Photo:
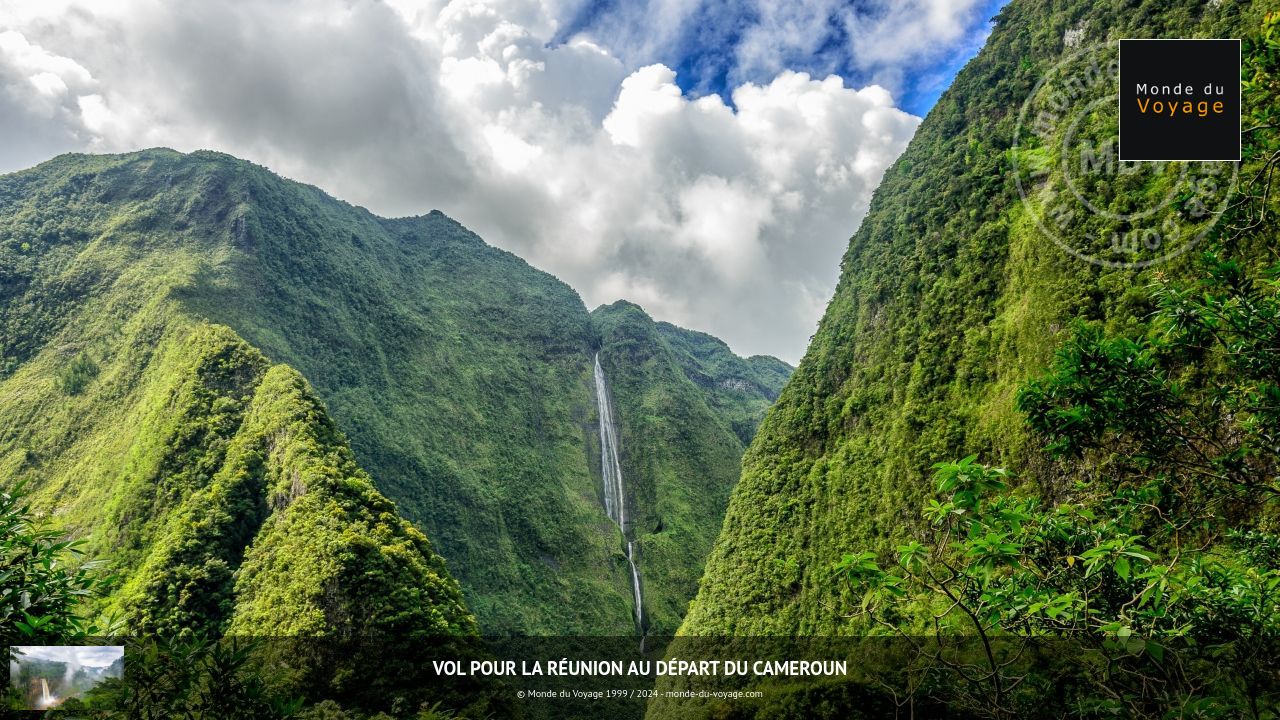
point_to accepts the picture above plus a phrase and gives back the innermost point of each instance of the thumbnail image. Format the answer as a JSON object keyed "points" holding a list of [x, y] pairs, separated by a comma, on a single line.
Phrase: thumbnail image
{"points": [[46, 675]]}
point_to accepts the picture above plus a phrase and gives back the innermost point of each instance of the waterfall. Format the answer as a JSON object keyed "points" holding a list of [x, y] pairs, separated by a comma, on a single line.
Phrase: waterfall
{"points": [[615, 497], [45, 698]]}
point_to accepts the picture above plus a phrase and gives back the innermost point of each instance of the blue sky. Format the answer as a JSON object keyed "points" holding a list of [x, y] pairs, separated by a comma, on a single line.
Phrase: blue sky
{"points": [[704, 49]]}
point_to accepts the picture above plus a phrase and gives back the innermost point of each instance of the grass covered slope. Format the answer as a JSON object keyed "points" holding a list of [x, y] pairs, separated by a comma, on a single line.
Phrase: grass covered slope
{"points": [[461, 376], [738, 389], [182, 462], [680, 397], [334, 552], [949, 299]]}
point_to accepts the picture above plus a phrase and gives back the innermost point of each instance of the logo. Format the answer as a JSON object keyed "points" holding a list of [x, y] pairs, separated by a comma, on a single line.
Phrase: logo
{"points": [[1079, 192], [1180, 100]]}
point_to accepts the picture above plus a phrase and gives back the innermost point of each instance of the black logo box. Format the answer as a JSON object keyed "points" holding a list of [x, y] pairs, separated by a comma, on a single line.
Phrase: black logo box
{"points": [[1187, 67]]}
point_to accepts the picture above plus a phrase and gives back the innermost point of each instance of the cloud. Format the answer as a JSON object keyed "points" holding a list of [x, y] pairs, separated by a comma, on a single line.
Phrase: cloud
{"points": [[90, 655], [39, 101], [727, 215], [903, 36], [872, 35], [723, 220], [719, 43]]}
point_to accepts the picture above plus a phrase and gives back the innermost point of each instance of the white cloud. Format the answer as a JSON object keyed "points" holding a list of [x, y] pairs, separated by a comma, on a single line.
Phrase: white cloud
{"points": [[73, 655], [906, 34], [39, 100], [899, 30], [726, 219], [879, 34]]}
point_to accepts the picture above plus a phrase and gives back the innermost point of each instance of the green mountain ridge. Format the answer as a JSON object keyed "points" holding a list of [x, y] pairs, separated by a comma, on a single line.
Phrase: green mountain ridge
{"points": [[141, 296], [949, 299], [674, 389]]}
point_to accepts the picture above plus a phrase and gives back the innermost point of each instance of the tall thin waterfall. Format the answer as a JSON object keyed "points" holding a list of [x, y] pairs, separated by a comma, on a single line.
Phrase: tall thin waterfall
{"points": [[615, 496]]}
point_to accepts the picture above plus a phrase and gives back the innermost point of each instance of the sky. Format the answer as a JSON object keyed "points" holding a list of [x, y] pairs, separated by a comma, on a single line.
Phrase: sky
{"points": [[89, 655], [707, 159]]}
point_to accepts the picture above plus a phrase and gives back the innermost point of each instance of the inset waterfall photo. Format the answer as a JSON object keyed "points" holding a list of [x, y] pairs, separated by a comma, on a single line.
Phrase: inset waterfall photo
{"points": [[46, 676]]}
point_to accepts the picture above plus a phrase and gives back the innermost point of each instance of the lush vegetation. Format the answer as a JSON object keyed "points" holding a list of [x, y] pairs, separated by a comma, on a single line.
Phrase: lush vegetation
{"points": [[141, 296], [738, 389], [1157, 563], [45, 580], [950, 299], [288, 538], [220, 490], [230, 455], [683, 403], [1129, 567]]}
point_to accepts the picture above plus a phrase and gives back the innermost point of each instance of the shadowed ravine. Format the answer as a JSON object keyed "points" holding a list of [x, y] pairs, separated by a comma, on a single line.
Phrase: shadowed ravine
{"points": [[615, 497]]}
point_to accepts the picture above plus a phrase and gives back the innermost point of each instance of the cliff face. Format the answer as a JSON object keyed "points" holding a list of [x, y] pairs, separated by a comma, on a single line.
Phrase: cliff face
{"points": [[950, 297]]}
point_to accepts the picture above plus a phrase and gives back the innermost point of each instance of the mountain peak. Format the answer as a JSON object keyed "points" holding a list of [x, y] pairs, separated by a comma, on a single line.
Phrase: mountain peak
{"points": [[453, 376]]}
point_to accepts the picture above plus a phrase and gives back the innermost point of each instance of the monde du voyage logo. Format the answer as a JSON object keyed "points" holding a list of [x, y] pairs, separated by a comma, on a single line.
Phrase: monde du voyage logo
{"points": [[1180, 100], [1126, 153]]}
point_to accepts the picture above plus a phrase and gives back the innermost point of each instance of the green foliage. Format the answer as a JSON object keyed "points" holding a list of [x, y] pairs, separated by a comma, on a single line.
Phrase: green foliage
{"points": [[1260, 145], [333, 555], [738, 389], [1156, 562], [949, 298], [1165, 610], [189, 678], [287, 536], [262, 525], [43, 579], [77, 374], [460, 376], [460, 373], [1213, 438], [682, 399]]}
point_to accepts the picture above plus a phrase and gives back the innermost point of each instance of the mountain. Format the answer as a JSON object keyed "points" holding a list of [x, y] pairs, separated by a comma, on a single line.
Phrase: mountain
{"points": [[738, 389], [950, 298], [223, 379], [684, 404]]}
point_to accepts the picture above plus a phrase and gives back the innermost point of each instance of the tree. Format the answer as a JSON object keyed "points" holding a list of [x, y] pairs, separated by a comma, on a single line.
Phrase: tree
{"points": [[1153, 565], [43, 579], [1145, 621], [1143, 578]]}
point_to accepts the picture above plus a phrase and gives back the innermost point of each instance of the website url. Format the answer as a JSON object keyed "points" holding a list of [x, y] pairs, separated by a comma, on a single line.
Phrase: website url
{"points": [[713, 694]]}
